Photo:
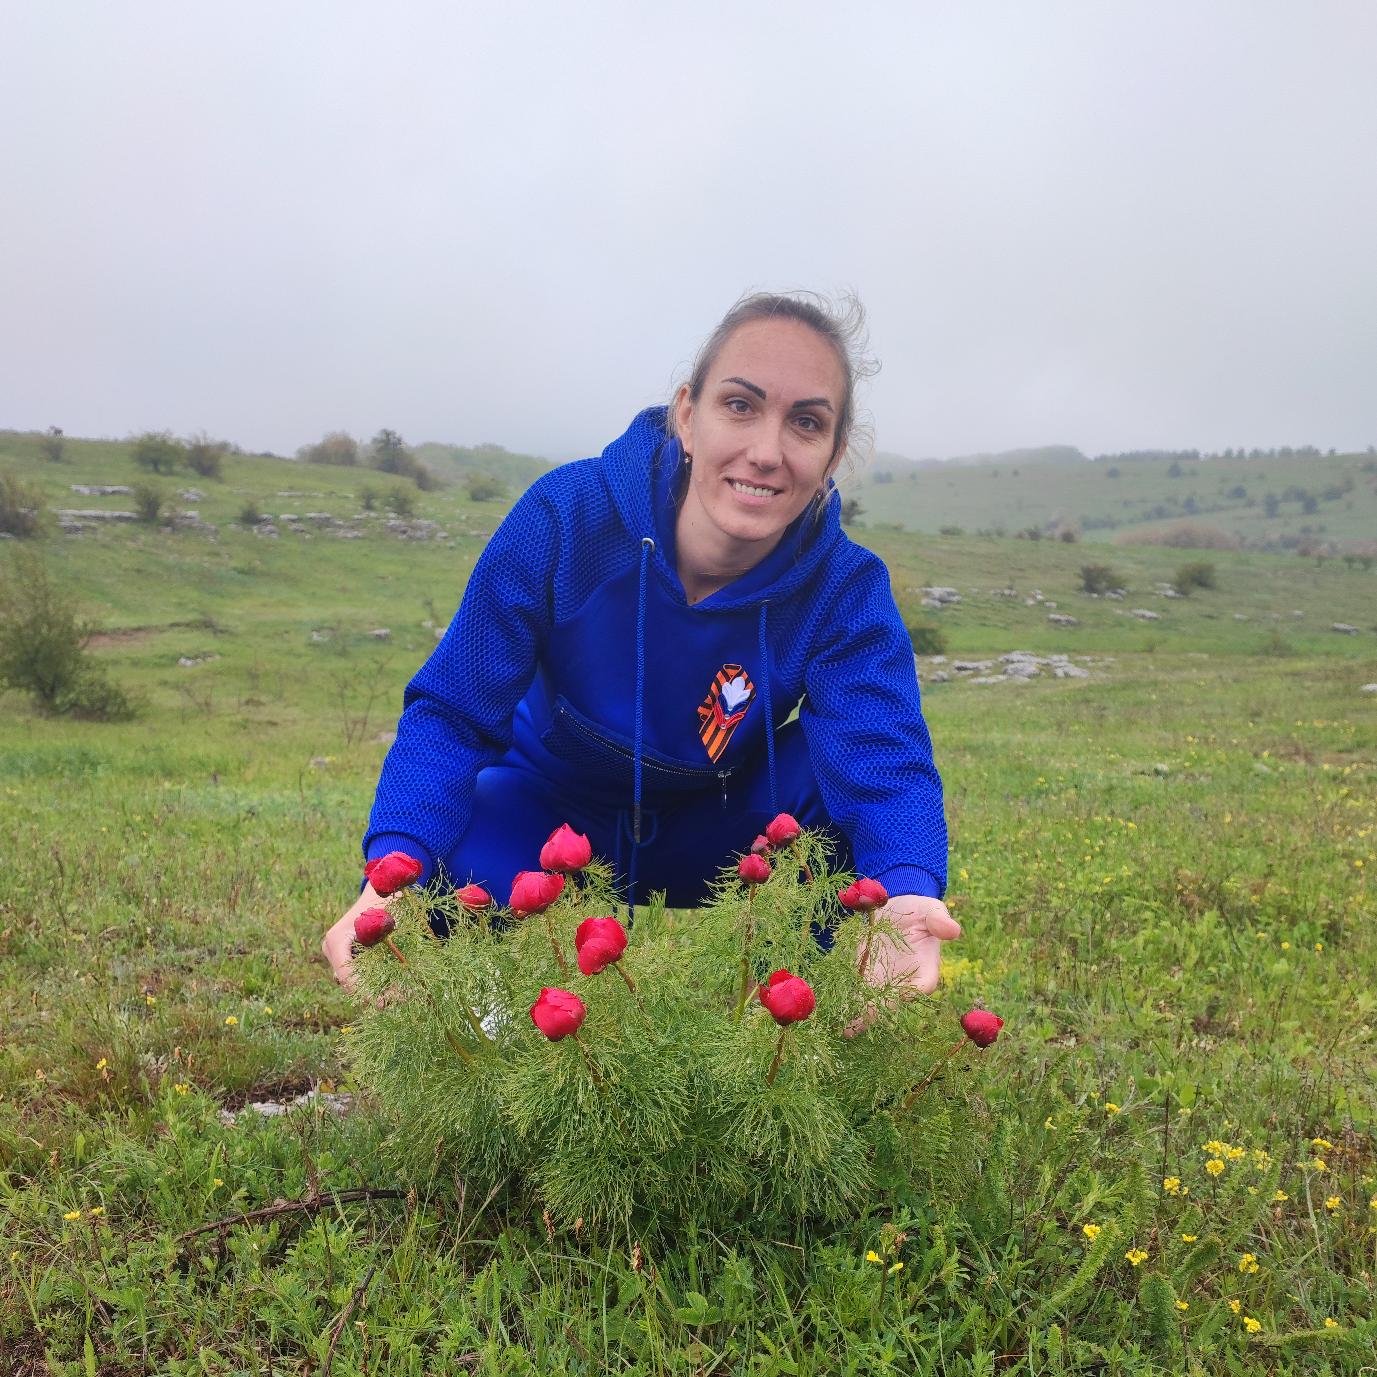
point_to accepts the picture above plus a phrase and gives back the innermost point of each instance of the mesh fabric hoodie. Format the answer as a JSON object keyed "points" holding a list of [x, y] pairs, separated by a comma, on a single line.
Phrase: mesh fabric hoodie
{"points": [[575, 652]]}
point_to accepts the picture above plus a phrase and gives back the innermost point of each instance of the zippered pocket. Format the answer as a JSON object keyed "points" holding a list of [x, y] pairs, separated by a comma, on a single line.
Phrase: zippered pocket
{"points": [[610, 756]]}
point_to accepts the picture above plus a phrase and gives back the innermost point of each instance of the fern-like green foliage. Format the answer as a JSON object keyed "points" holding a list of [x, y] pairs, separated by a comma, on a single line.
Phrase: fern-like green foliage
{"points": [[661, 1109]]}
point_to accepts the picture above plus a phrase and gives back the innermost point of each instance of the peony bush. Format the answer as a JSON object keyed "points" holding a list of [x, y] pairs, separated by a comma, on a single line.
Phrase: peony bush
{"points": [[676, 1068]]}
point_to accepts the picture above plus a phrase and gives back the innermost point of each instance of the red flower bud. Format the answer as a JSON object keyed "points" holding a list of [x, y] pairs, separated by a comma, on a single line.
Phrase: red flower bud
{"points": [[597, 955], [753, 869], [863, 895], [372, 925], [473, 897], [789, 998], [533, 891], [981, 1026], [392, 872], [607, 930], [782, 830], [565, 850], [761, 845], [557, 1013]]}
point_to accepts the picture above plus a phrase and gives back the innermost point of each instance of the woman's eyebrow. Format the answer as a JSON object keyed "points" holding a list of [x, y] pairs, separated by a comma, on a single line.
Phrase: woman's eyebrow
{"points": [[760, 392]]}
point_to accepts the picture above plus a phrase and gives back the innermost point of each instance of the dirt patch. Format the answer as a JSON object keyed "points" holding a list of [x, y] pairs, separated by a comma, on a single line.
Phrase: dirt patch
{"points": [[125, 636]]}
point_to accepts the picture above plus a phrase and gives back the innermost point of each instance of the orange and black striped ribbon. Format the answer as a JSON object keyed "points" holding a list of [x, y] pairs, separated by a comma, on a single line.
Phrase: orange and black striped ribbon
{"points": [[715, 723]]}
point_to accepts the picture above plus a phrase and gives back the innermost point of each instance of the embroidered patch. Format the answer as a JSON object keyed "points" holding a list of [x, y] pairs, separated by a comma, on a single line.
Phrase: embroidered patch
{"points": [[720, 713]]}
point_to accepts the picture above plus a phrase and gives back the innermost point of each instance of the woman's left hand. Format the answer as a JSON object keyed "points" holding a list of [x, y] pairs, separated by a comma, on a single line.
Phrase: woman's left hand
{"points": [[924, 924]]}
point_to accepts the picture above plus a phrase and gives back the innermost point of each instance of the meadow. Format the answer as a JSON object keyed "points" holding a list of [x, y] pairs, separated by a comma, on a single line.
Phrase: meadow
{"points": [[1163, 870]]}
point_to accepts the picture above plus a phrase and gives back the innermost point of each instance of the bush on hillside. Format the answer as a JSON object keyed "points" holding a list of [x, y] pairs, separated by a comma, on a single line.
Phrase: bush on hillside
{"points": [[52, 444], [483, 487], [21, 507], [368, 497], [401, 503], [1183, 535], [1200, 574], [927, 638], [250, 514], [1098, 578], [206, 456], [388, 453], [149, 502], [337, 447], [43, 647], [159, 451]]}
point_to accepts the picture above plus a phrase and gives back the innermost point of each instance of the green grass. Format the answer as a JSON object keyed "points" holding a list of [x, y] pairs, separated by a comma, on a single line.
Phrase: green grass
{"points": [[1164, 873]]}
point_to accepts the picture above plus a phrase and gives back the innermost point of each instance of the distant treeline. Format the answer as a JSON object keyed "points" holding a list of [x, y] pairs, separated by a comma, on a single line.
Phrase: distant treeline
{"points": [[1132, 456]]}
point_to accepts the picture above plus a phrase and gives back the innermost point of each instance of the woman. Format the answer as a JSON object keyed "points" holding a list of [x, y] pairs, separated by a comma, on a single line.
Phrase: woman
{"points": [[637, 634]]}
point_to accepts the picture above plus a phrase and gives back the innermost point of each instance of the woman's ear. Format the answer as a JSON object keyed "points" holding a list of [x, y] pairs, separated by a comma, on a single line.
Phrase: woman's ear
{"points": [[683, 418]]}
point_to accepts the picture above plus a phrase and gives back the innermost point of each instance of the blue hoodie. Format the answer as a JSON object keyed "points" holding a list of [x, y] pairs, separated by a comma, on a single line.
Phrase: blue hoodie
{"points": [[575, 648]]}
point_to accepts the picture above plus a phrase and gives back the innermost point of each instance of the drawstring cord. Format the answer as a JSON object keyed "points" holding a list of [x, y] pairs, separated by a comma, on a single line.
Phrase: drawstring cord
{"points": [[647, 549], [769, 711]]}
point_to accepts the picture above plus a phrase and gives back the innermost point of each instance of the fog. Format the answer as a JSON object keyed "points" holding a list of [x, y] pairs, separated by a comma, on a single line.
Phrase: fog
{"points": [[1107, 225]]}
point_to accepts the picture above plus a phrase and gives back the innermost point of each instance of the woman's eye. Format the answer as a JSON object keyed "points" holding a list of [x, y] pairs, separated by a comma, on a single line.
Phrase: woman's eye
{"points": [[739, 405], [809, 422]]}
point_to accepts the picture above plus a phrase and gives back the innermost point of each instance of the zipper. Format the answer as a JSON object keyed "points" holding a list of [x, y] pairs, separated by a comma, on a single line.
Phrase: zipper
{"points": [[687, 772]]}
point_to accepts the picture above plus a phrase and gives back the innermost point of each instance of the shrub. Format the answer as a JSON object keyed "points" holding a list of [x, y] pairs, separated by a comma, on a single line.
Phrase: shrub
{"points": [[158, 451], [951, 530], [1098, 578], [368, 497], [149, 502], [927, 638], [1200, 574], [851, 510], [206, 456], [483, 487], [337, 447], [249, 514], [1068, 535], [52, 444], [21, 507], [43, 647], [401, 503], [1183, 535], [1276, 645]]}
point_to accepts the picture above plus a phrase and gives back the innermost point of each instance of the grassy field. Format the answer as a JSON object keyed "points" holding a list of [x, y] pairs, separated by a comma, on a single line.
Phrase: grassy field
{"points": [[1164, 872], [1131, 499]]}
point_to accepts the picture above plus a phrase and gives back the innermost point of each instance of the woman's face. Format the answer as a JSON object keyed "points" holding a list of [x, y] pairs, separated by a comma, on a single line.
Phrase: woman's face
{"points": [[762, 434]]}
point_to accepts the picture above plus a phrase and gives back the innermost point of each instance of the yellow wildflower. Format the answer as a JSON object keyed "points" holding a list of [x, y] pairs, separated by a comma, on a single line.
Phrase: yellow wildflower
{"points": [[267, 1008], [1280, 1196], [1215, 1148], [1248, 1263], [72, 1214], [96, 1211], [1183, 1305], [1091, 1231], [1189, 1238], [1214, 1166], [1235, 1153], [1319, 1164], [1047, 1122], [1251, 1325], [965, 874], [218, 1182], [102, 1064], [181, 1087], [1235, 1306], [1333, 1203], [898, 1267], [1110, 1107], [873, 1256], [1321, 1145], [1330, 1322], [1135, 1256], [1172, 1185], [231, 1021], [1285, 946], [1319, 946], [150, 1000]]}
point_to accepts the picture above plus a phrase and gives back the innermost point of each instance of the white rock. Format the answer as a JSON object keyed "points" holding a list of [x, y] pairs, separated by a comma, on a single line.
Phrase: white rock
{"points": [[381, 633], [1070, 672], [1146, 614], [971, 666], [1344, 629], [1061, 619], [1368, 688], [1021, 669]]}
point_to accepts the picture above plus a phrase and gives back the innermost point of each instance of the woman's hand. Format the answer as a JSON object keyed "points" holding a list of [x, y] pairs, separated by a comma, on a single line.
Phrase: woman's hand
{"points": [[916, 956], [924, 924], [338, 942]]}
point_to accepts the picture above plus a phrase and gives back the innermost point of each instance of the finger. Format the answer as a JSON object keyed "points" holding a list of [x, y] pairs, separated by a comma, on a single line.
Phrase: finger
{"points": [[927, 969], [944, 926]]}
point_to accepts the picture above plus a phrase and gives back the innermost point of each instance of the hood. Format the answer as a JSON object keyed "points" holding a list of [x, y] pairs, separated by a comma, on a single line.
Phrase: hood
{"points": [[642, 467]]}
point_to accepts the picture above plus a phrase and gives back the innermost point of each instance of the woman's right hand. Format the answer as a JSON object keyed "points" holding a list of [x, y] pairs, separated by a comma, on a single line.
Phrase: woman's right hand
{"points": [[338, 942]]}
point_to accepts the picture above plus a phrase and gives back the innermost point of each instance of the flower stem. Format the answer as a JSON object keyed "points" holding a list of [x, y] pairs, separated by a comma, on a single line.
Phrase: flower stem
{"points": [[869, 936], [554, 942], [927, 1080], [476, 1024], [746, 955], [779, 1054], [464, 1054], [592, 1070], [631, 985], [392, 946]]}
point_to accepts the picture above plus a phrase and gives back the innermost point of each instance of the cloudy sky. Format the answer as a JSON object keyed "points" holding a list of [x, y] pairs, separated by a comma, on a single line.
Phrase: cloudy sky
{"points": [[1104, 224]]}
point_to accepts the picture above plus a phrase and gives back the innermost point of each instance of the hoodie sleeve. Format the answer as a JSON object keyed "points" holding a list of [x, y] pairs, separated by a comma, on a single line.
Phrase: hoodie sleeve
{"points": [[868, 743], [457, 711]]}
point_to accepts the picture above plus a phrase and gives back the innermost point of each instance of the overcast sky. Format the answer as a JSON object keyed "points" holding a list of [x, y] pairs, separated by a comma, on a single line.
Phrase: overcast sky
{"points": [[1111, 225]]}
